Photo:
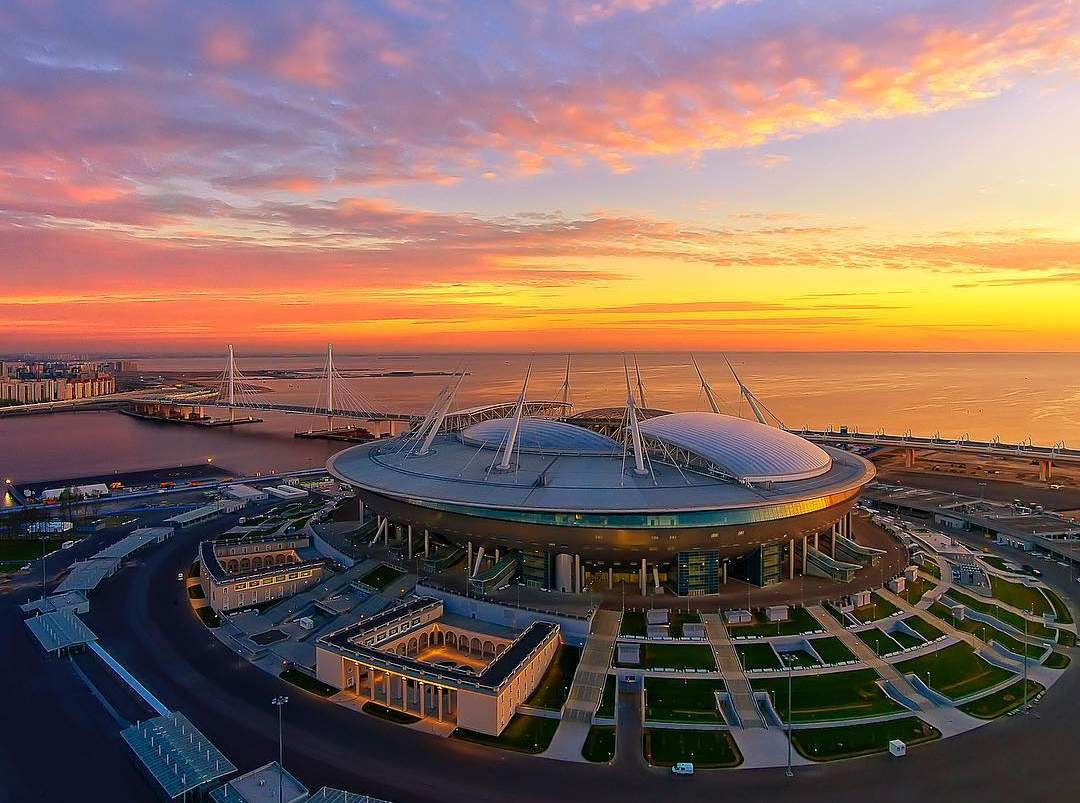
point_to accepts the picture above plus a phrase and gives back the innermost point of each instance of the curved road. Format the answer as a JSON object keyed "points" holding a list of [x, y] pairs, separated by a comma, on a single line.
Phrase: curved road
{"points": [[144, 620]]}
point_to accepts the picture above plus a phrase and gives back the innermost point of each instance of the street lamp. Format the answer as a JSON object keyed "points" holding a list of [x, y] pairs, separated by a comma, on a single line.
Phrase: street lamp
{"points": [[279, 702]]}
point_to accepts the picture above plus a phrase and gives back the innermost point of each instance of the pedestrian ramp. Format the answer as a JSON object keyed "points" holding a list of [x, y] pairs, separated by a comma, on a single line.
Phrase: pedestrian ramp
{"points": [[740, 695]]}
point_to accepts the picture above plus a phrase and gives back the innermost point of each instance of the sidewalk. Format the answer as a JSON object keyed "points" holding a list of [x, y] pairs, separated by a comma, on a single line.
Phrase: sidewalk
{"points": [[586, 689]]}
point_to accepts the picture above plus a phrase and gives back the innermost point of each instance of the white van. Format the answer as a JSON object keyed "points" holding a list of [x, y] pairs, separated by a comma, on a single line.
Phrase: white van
{"points": [[683, 768]]}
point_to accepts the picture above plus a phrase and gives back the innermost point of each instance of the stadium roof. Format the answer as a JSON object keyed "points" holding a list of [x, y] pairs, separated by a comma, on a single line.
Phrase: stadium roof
{"points": [[541, 435], [743, 449]]}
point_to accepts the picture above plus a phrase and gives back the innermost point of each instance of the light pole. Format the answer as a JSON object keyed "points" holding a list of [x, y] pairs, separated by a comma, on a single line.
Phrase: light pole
{"points": [[787, 660], [280, 701], [1025, 663]]}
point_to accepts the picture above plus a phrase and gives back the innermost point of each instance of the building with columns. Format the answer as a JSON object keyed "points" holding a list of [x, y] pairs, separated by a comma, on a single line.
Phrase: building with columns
{"points": [[243, 572], [418, 659]]}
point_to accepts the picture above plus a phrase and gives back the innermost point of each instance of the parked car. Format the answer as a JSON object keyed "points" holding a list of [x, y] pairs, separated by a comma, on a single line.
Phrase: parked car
{"points": [[683, 768]]}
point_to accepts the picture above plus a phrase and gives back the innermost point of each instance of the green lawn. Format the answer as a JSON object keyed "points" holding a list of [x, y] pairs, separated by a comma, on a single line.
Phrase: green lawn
{"points": [[1003, 701], [607, 699], [389, 714], [1003, 615], [679, 618], [599, 744], [308, 683], [830, 744], [675, 700], [879, 641], [524, 734], [757, 656], [633, 624], [879, 608], [904, 640], [923, 627], [381, 576], [1060, 608], [209, 618], [819, 698], [26, 549], [663, 748], [913, 592], [195, 569], [988, 633], [555, 685], [955, 671], [1020, 596], [798, 658], [196, 592], [1056, 660], [800, 621], [931, 568], [676, 656], [832, 650], [1066, 638]]}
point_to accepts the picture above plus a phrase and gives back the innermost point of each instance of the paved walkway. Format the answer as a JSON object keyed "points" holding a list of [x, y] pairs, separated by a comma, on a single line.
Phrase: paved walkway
{"points": [[735, 682], [588, 686], [865, 654]]}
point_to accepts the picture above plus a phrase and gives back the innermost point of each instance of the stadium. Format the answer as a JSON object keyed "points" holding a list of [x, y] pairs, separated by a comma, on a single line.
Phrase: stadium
{"points": [[565, 502]]}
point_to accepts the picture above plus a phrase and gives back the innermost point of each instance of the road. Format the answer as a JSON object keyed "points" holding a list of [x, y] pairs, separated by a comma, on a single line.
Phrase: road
{"points": [[143, 618]]}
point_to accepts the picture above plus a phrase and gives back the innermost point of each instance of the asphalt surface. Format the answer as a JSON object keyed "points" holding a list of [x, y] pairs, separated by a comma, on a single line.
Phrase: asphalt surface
{"points": [[64, 743]]}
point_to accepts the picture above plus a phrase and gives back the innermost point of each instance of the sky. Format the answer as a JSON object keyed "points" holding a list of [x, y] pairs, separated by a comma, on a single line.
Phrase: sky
{"points": [[446, 175]]}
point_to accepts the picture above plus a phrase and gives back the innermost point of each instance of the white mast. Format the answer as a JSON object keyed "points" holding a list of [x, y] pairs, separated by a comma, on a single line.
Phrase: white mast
{"points": [[566, 385], [511, 439], [640, 387], [441, 416], [635, 432], [231, 370], [750, 398], [330, 386], [713, 404]]}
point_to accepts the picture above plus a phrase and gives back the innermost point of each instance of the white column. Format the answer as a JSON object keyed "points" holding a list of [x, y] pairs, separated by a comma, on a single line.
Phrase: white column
{"points": [[791, 559], [468, 560], [642, 577], [427, 543], [577, 574], [804, 547], [410, 542], [610, 577], [439, 694]]}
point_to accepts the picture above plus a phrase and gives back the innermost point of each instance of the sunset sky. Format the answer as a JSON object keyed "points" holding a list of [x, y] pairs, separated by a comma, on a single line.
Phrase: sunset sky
{"points": [[529, 175]]}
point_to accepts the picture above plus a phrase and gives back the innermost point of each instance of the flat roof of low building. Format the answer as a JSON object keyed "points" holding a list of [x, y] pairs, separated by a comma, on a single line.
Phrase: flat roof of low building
{"points": [[330, 795], [270, 783], [212, 509], [85, 575], [59, 629], [176, 754], [242, 491], [55, 602]]}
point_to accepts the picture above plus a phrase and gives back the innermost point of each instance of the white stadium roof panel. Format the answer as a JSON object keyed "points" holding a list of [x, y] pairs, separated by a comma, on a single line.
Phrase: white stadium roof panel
{"points": [[745, 449], [541, 435]]}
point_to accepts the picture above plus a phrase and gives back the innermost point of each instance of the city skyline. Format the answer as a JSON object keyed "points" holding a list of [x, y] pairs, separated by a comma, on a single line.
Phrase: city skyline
{"points": [[409, 176]]}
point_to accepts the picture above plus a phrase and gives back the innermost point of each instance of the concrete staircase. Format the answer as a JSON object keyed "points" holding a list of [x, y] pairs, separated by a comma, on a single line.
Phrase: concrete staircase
{"points": [[735, 681]]}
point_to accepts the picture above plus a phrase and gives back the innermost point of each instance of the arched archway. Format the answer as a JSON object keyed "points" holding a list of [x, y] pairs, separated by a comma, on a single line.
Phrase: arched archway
{"points": [[256, 562], [280, 559], [234, 566], [475, 646], [451, 640], [424, 641], [245, 564], [489, 648], [413, 644]]}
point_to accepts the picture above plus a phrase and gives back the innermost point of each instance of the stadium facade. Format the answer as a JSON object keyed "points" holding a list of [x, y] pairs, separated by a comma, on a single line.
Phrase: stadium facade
{"points": [[633, 494]]}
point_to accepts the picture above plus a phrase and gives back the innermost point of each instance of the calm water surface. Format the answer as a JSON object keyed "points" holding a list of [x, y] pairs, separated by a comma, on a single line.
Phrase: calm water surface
{"points": [[1011, 396]]}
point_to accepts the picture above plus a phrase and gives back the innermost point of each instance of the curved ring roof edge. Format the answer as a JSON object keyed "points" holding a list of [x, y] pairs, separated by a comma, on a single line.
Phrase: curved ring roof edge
{"points": [[862, 472]]}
